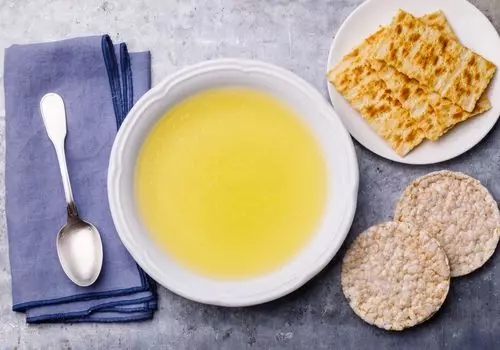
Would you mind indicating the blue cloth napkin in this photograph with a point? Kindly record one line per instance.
(99, 82)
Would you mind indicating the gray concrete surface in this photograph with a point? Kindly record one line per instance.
(296, 35)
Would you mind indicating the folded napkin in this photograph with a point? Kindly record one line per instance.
(99, 83)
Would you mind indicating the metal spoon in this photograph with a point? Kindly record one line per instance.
(79, 245)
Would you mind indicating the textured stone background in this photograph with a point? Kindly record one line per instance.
(296, 35)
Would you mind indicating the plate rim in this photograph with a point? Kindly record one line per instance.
(273, 292)
(393, 156)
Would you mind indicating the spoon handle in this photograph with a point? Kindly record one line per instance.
(54, 119)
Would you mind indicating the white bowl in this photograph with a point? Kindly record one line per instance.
(310, 106)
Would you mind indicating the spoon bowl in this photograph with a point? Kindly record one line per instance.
(79, 248)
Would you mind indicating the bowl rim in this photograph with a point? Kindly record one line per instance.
(161, 90)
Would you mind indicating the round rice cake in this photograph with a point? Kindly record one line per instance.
(395, 276)
(457, 210)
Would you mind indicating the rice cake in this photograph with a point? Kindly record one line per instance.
(459, 212)
(395, 276)
(429, 56)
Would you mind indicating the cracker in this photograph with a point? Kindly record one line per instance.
(434, 114)
(369, 95)
(395, 276)
(399, 109)
(437, 20)
(457, 210)
(434, 60)
(366, 91)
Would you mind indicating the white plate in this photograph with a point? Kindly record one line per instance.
(473, 29)
(310, 106)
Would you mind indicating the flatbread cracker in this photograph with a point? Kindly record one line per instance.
(435, 115)
(437, 20)
(448, 113)
(360, 84)
(459, 212)
(442, 65)
(432, 115)
(395, 276)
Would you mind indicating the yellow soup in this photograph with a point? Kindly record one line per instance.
(231, 183)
